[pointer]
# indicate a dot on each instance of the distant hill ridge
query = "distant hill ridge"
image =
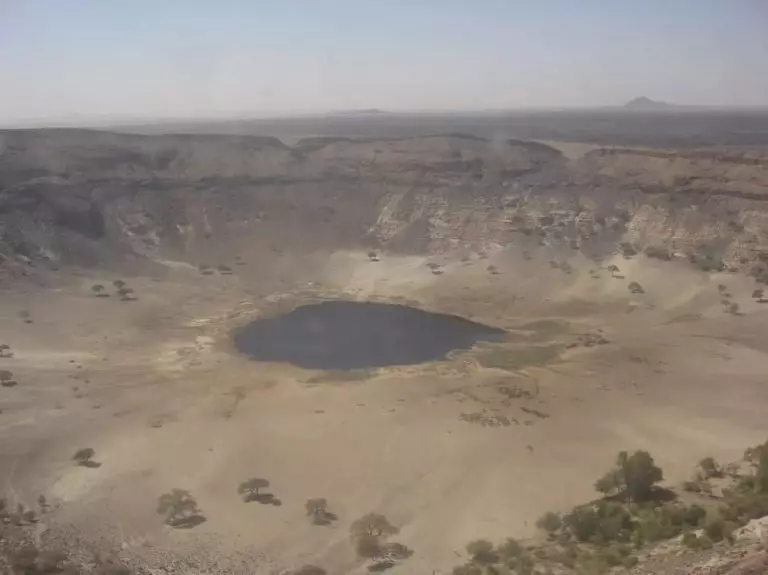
(643, 103)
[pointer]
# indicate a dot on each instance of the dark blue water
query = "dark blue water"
(353, 335)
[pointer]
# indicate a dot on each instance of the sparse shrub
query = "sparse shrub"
(636, 288)
(706, 262)
(119, 284)
(691, 486)
(224, 269)
(658, 252)
(98, 290)
(613, 268)
(468, 569)
(758, 293)
(125, 293)
(721, 288)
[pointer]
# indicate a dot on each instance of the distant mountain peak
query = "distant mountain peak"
(644, 103)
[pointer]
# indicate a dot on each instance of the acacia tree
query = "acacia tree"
(98, 290)
(118, 284)
(84, 456)
(177, 505)
(710, 468)
(368, 535)
(317, 511)
(633, 477)
(249, 488)
(6, 378)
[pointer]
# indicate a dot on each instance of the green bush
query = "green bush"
(482, 552)
(690, 540)
(715, 528)
(694, 515)
(510, 550)
(549, 522)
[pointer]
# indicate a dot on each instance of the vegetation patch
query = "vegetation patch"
(342, 376)
(515, 358)
(633, 513)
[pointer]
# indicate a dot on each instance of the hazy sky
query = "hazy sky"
(181, 58)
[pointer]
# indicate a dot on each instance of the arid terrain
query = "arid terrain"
(628, 279)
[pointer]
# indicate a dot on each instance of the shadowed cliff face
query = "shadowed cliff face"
(96, 198)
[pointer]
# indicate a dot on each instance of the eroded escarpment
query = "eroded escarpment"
(96, 198)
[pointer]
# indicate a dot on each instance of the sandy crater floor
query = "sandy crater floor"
(478, 445)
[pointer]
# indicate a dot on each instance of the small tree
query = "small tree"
(636, 288)
(177, 505)
(84, 456)
(119, 284)
(368, 533)
(249, 489)
(5, 350)
(317, 511)
(98, 290)
(613, 268)
(710, 468)
(758, 293)
(373, 524)
(634, 476)
(721, 288)
(6, 378)
(549, 522)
